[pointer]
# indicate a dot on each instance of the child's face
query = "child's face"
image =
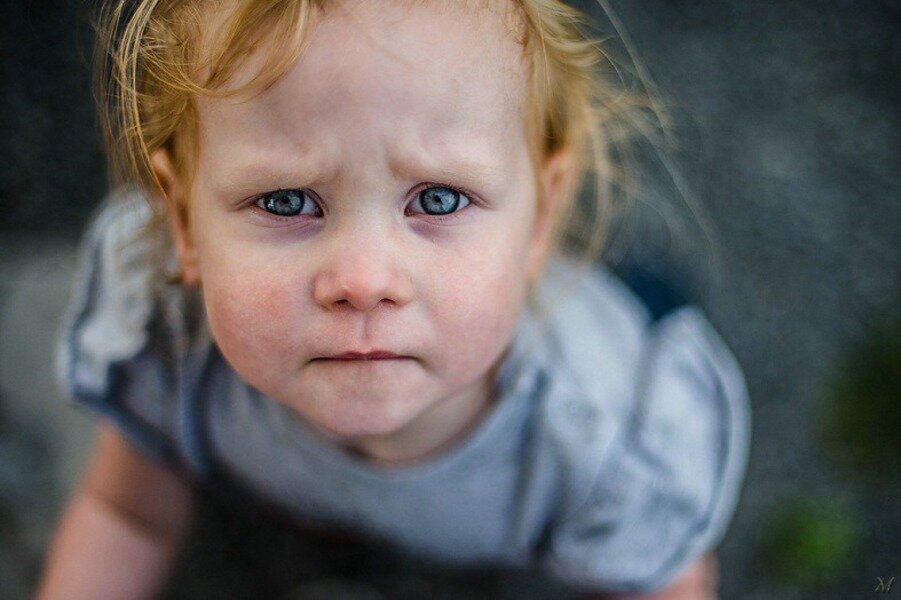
(385, 103)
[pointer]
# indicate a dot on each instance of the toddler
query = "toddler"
(335, 279)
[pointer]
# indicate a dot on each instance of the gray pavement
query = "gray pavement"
(43, 439)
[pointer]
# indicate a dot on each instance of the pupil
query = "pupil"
(285, 203)
(440, 201)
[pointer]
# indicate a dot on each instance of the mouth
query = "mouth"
(372, 355)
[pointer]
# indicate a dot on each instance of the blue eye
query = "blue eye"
(440, 200)
(286, 203)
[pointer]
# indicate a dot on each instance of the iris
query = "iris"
(439, 200)
(284, 203)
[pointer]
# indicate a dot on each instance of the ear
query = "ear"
(177, 216)
(554, 181)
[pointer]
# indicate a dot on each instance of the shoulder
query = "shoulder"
(596, 330)
(646, 412)
(125, 329)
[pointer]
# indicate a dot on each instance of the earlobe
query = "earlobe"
(172, 197)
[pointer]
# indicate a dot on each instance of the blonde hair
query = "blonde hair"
(154, 58)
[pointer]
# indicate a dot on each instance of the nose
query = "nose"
(362, 278)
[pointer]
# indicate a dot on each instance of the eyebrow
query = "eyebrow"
(475, 167)
(250, 176)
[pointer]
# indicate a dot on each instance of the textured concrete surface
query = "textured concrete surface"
(787, 116)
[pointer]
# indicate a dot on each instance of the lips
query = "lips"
(373, 355)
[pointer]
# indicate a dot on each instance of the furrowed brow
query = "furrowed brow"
(255, 175)
(477, 166)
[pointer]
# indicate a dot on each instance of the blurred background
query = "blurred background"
(786, 116)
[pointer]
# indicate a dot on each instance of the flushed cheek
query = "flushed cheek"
(480, 318)
(255, 325)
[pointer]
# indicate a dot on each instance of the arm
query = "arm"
(121, 531)
(697, 582)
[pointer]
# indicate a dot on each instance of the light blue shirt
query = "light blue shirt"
(612, 457)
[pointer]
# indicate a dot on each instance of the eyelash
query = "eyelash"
(471, 199)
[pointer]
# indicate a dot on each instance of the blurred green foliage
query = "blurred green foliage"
(860, 427)
(810, 542)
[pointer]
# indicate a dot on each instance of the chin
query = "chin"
(359, 418)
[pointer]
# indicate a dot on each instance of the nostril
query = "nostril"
(360, 287)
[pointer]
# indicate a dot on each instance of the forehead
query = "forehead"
(425, 73)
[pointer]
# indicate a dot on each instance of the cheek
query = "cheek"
(480, 307)
(248, 297)
(250, 316)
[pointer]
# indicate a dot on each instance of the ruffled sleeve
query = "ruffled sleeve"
(667, 488)
(117, 353)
